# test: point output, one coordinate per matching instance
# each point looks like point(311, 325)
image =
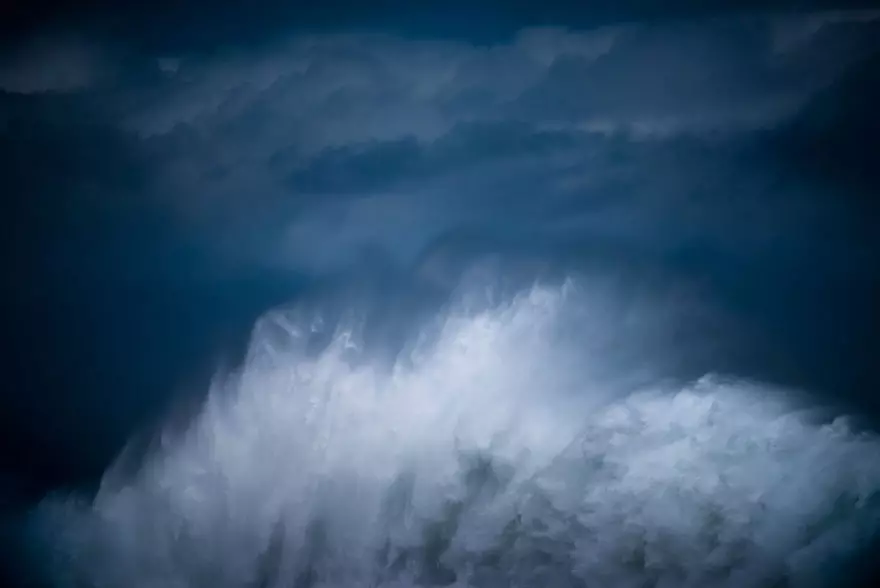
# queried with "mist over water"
point(507, 437)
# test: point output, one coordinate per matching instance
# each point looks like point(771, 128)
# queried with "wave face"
point(488, 447)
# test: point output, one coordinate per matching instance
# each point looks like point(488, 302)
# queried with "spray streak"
point(490, 453)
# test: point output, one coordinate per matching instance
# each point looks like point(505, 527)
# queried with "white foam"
point(493, 452)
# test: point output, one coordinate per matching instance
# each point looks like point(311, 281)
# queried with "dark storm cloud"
point(252, 134)
point(702, 70)
point(302, 152)
point(443, 129)
point(369, 167)
point(379, 86)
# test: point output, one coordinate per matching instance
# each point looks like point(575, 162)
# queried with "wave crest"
point(494, 450)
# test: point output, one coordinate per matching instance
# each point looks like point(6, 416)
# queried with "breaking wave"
point(489, 446)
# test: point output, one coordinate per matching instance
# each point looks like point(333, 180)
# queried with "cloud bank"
point(321, 128)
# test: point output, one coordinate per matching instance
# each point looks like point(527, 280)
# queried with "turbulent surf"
point(497, 441)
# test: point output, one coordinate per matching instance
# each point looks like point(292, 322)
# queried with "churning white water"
point(493, 450)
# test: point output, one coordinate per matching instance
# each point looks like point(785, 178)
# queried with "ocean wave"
point(494, 448)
